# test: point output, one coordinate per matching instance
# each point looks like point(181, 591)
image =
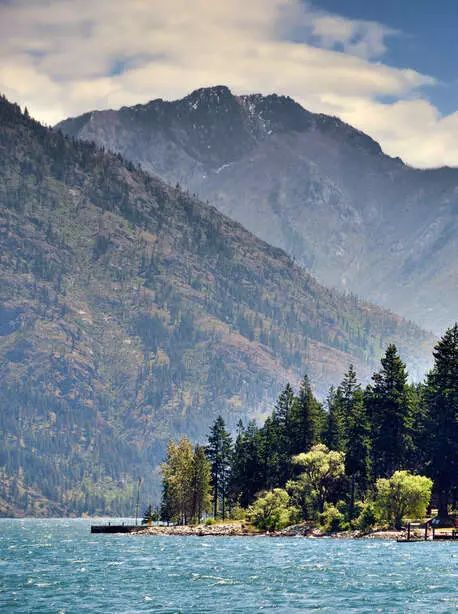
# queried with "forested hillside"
point(131, 313)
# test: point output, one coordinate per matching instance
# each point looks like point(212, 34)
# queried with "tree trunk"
point(215, 499)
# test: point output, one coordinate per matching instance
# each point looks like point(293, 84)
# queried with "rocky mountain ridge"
point(308, 183)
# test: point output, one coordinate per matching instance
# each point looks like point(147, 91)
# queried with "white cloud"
point(411, 129)
point(64, 57)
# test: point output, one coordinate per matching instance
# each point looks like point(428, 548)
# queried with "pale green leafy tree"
point(271, 510)
point(178, 472)
point(323, 469)
point(186, 482)
point(403, 495)
point(201, 478)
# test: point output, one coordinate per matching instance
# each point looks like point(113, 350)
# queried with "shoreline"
point(243, 530)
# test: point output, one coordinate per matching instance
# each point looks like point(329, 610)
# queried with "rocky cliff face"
point(310, 184)
point(131, 312)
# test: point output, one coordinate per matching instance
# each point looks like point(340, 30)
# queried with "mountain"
point(308, 183)
point(131, 312)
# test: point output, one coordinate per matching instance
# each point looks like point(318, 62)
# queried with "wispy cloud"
point(64, 57)
point(364, 39)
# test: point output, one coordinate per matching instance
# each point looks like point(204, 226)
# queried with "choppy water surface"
point(58, 566)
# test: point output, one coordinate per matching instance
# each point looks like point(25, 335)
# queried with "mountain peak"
point(214, 93)
point(216, 96)
point(279, 113)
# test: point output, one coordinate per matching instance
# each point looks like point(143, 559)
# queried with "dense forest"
point(380, 442)
point(132, 313)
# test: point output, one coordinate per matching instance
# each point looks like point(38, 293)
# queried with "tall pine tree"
point(334, 435)
point(441, 394)
point(278, 435)
point(219, 453)
point(307, 421)
point(353, 433)
point(247, 470)
point(391, 415)
point(357, 460)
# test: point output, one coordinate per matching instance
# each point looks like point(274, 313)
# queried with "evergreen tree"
point(219, 453)
point(246, 474)
point(149, 516)
point(357, 460)
point(166, 512)
point(307, 420)
point(348, 388)
point(334, 435)
point(278, 439)
point(355, 432)
point(284, 405)
point(417, 459)
point(441, 395)
point(268, 453)
point(391, 415)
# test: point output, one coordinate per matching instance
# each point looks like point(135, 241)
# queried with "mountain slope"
point(131, 312)
point(307, 183)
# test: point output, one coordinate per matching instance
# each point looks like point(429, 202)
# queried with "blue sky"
point(387, 68)
point(427, 38)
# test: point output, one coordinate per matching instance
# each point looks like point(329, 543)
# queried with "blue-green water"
point(58, 566)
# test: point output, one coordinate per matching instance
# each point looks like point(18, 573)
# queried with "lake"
point(58, 566)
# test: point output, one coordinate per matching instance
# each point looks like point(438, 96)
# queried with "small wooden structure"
point(410, 536)
point(450, 534)
point(430, 533)
point(114, 528)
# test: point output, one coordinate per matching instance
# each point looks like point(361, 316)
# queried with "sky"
point(387, 67)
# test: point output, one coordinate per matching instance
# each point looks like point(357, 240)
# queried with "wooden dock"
point(114, 528)
point(446, 535)
point(431, 532)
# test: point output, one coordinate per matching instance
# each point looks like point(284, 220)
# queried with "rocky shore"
point(242, 529)
point(221, 529)
point(304, 530)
